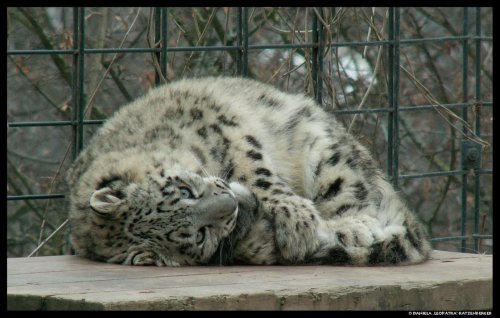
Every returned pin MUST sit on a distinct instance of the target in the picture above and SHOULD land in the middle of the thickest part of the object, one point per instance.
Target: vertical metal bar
(164, 41)
(465, 50)
(314, 57)
(63, 18)
(319, 73)
(74, 84)
(465, 89)
(239, 37)
(477, 113)
(390, 115)
(245, 41)
(395, 105)
(157, 18)
(80, 81)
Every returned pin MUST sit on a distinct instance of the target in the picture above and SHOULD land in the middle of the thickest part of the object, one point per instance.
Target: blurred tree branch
(30, 22)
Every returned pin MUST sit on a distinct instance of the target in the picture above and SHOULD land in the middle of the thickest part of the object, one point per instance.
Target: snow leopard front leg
(286, 225)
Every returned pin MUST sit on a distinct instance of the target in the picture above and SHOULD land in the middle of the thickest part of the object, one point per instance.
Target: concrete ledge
(449, 281)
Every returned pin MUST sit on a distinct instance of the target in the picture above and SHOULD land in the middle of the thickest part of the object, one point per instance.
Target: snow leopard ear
(105, 201)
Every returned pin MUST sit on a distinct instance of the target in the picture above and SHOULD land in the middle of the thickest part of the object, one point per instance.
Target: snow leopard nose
(217, 206)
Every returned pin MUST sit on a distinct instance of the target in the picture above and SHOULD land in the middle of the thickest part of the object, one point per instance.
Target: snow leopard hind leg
(365, 220)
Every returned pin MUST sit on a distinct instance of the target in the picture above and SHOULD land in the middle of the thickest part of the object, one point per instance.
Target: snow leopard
(229, 170)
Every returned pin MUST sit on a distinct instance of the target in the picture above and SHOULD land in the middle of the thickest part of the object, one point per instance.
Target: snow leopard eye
(186, 193)
(200, 236)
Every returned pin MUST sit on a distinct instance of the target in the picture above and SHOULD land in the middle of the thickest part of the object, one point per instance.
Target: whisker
(231, 167)
(203, 170)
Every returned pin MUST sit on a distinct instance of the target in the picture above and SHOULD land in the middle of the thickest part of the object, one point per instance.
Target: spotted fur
(229, 170)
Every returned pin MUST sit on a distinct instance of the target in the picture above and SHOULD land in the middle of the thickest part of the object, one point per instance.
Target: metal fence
(470, 171)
